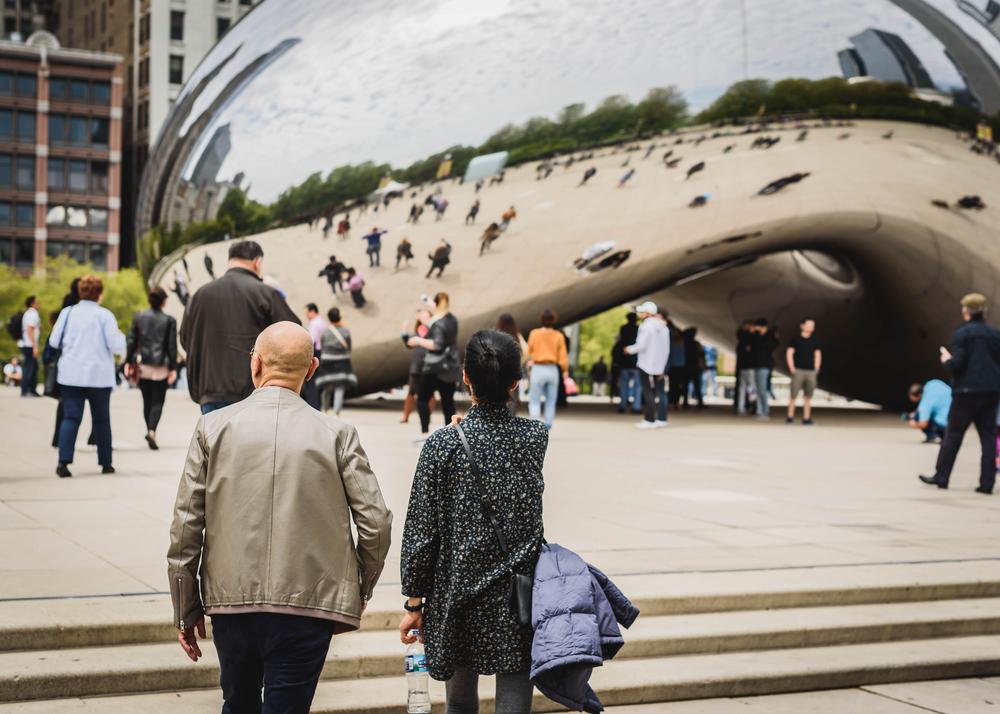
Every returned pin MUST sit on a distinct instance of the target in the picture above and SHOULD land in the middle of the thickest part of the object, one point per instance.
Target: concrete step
(626, 681)
(85, 622)
(150, 667)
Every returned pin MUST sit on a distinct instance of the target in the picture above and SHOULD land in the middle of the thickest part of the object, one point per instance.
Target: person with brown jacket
(263, 518)
(220, 324)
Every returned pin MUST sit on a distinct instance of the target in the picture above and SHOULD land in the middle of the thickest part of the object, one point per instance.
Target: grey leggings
(335, 395)
(513, 693)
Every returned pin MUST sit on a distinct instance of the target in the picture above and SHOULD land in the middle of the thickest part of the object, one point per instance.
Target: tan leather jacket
(265, 506)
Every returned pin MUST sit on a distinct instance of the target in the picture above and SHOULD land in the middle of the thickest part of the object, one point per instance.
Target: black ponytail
(493, 363)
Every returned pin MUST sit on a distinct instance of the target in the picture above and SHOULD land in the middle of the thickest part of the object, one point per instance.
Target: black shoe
(152, 443)
(107, 469)
(933, 481)
(62, 471)
(808, 422)
(789, 420)
(988, 492)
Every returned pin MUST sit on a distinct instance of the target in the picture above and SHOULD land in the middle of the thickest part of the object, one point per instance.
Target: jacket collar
(245, 272)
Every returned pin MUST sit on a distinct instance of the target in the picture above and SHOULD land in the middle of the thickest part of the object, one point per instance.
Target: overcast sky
(396, 81)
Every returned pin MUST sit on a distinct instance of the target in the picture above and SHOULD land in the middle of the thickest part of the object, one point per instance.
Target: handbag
(51, 388)
(519, 597)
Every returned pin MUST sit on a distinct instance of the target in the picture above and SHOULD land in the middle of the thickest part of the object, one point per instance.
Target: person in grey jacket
(152, 359)
(263, 519)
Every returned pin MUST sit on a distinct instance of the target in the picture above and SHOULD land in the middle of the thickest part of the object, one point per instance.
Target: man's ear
(313, 366)
(256, 368)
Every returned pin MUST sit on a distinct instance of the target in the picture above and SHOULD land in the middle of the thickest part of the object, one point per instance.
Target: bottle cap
(414, 632)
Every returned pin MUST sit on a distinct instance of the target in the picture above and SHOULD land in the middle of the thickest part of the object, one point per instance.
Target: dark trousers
(970, 408)
(429, 383)
(29, 371)
(654, 396)
(154, 393)
(284, 654)
(678, 383)
(100, 413)
(933, 431)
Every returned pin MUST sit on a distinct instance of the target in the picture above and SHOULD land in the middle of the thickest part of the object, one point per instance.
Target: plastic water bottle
(418, 698)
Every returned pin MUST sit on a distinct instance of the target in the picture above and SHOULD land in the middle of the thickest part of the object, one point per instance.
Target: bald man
(265, 505)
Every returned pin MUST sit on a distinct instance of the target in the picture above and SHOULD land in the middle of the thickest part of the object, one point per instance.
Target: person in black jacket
(151, 359)
(221, 324)
(974, 360)
(441, 368)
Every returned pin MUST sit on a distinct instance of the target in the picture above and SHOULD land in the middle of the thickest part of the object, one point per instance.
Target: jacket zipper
(180, 601)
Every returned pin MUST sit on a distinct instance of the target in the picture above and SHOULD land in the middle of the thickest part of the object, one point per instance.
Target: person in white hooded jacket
(652, 348)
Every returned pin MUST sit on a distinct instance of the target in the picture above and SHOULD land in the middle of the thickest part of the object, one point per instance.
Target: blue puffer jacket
(575, 611)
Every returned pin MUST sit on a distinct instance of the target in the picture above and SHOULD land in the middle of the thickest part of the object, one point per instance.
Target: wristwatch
(412, 608)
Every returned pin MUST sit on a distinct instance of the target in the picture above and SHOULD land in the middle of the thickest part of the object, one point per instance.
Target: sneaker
(808, 422)
(789, 420)
(62, 471)
(980, 489)
(107, 469)
(152, 443)
(660, 423)
(646, 425)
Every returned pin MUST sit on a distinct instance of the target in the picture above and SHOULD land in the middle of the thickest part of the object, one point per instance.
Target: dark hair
(492, 363)
(631, 318)
(548, 317)
(507, 323)
(333, 259)
(760, 322)
(333, 315)
(312, 307)
(30, 300)
(916, 390)
(246, 250)
(157, 296)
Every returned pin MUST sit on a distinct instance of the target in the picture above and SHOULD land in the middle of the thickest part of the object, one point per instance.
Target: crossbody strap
(484, 499)
(340, 337)
(65, 327)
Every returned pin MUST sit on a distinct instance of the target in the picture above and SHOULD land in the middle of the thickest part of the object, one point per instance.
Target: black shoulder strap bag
(520, 585)
(51, 385)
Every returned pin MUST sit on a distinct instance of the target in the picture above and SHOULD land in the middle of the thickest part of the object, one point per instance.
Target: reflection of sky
(396, 81)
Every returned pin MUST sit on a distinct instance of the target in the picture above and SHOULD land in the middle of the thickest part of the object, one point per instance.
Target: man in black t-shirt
(804, 359)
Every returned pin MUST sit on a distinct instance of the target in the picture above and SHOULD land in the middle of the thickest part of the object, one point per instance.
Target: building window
(99, 177)
(100, 93)
(104, 19)
(26, 127)
(78, 131)
(177, 25)
(176, 69)
(76, 251)
(24, 215)
(78, 90)
(76, 217)
(25, 176)
(5, 214)
(5, 170)
(144, 72)
(78, 175)
(24, 252)
(57, 174)
(144, 29)
(99, 128)
(57, 88)
(6, 123)
(99, 256)
(98, 219)
(25, 85)
(5, 251)
(221, 26)
(6, 83)
(53, 248)
(56, 216)
(57, 128)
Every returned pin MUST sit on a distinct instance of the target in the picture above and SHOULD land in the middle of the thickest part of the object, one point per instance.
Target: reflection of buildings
(199, 197)
(979, 71)
(162, 43)
(988, 16)
(60, 148)
(885, 57)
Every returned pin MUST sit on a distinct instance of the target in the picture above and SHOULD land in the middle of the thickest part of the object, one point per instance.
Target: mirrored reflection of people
(333, 271)
(344, 228)
(626, 178)
(209, 266)
(374, 249)
(652, 350)
(506, 323)
(89, 339)
(222, 320)
(804, 360)
(470, 217)
(356, 286)
(453, 597)
(974, 362)
(439, 258)
(441, 364)
(404, 253)
(933, 402)
(180, 288)
(274, 460)
(335, 376)
(491, 233)
(549, 363)
(419, 328)
(506, 217)
(587, 175)
(152, 359)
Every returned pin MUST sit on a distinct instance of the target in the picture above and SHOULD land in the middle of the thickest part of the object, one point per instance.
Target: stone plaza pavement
(709, 493)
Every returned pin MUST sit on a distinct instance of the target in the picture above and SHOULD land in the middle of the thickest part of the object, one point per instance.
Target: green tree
(663, 108)
(742, 99)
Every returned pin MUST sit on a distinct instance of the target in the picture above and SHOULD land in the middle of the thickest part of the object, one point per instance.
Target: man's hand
(34, 350)
(411, 621)
(456, 419)
(171, 377)
(189, 641)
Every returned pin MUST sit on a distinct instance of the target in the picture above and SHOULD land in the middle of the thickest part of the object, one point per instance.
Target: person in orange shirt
(549, 362)
(506, 217)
